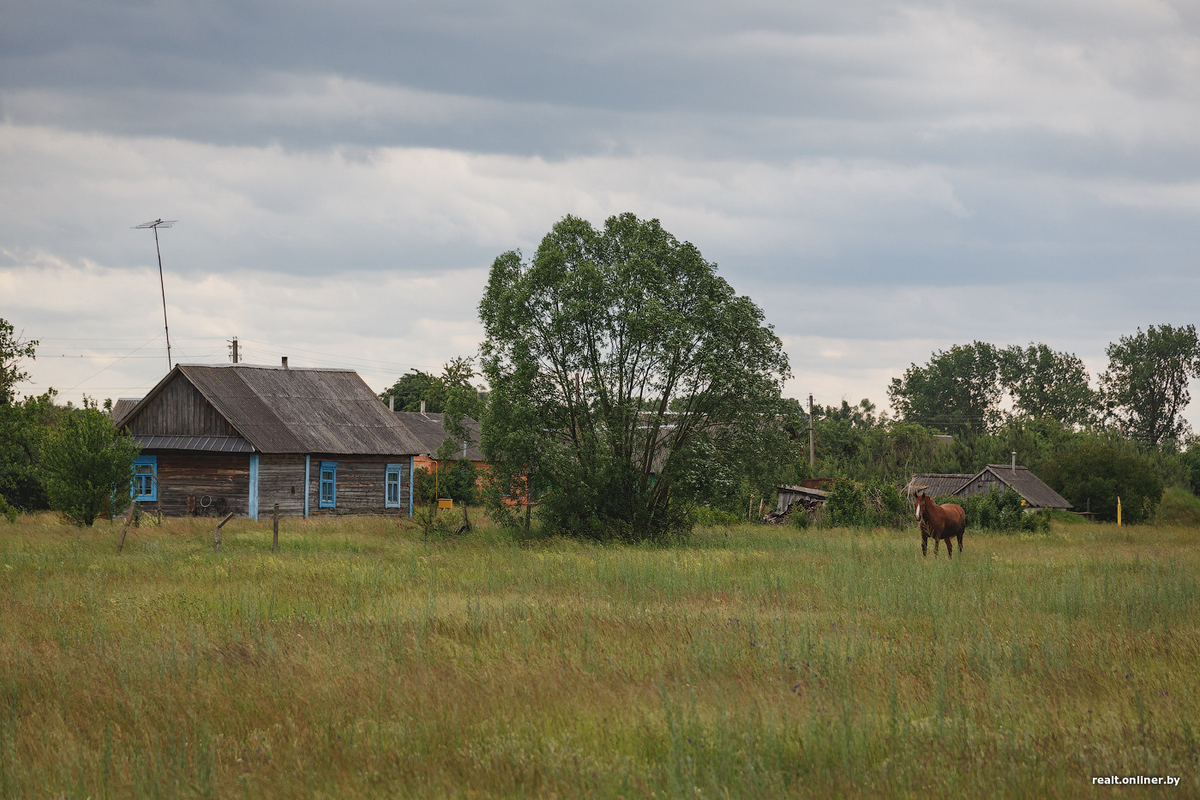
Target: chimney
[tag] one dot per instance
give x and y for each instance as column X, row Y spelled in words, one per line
column 392, row 403
column 1014, row 452
column 422, row 406
column 285, row 366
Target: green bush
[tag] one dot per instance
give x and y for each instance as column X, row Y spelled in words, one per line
column 1000, row 511
column 87, row 466
column 1178, row 507
column 709, row 517
column 866, row 505
column 7, row 511
column 456, row 481
column 1092, row 473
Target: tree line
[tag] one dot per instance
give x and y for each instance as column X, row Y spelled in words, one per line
column 631, row 391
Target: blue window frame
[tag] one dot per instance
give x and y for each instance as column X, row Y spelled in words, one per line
column 145, row 479
column 391, row 484
column 328, row 495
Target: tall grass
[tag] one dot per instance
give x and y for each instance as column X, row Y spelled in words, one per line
column 362, row 660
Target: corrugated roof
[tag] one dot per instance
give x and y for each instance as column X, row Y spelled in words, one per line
column 428, row 431
column 298, row 410
column 207, row 444
column 936, row 485
column 1026, row 484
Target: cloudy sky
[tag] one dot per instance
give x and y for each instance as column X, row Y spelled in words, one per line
column 882, row 178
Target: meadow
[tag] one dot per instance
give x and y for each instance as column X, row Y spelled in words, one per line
column 361, row 660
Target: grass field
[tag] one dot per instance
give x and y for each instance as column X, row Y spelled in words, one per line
column 751, row 662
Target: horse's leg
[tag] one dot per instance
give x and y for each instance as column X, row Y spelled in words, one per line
column 936, row 541
column 949, row 547
column 960, row 543
column 924, row 544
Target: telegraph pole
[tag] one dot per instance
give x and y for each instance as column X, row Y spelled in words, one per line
column 812, row 455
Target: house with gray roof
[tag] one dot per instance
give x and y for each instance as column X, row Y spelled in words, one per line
column 1030, row 487
column 1033, row 491
column 239, row 438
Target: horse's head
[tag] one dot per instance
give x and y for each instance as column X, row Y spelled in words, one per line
column 920, row 501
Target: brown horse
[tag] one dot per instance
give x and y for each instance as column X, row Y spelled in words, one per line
column 940, row 522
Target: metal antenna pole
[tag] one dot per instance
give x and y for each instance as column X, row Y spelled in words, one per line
column 156, row 224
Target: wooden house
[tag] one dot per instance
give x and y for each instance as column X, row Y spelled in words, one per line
column 1030, row 487
column 240, row 438
column 1033, row 491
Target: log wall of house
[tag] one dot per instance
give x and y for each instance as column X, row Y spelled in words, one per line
column 180, row 410
column 280, row 480
column 360, row 485
column 223, row 479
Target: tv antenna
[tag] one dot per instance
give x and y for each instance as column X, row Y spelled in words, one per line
column 156, row 224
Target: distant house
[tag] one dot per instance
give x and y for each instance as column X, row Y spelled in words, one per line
column 1033, row 491
column 1030, row 487
column 240, row 438
column 426, row 429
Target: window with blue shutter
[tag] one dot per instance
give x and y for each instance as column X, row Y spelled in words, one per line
column 391, row 485
column 145, row 479
column 328, row 495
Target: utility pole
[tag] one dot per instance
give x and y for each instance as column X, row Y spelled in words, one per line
column 233, row 349
column 812, row 455
column 156, row 224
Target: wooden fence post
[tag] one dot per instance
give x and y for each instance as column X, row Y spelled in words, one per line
column 125, row 530
column 275, row 529
column 217, row 534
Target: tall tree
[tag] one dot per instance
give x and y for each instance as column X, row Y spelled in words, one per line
column 958, row 391
column 619, row 361
column 1045, row 384
column 1146, row 385
column 88, row 465
column 13, row 348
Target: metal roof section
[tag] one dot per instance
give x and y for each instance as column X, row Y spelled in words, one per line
column 204, row 444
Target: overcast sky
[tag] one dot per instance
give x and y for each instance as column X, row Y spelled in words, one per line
column 884, row 179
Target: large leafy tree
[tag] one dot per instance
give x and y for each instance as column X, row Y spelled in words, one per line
column 958, row 391
column 1046, row 384
column 622, row 368
column 1146, row 385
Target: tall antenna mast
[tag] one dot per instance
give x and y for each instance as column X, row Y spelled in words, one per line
column 156, row 224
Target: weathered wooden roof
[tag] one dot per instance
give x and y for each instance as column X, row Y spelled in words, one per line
column 122, row 407
column 1036, row 493
column 427, row 429
column 280, row 410
column 936, row 485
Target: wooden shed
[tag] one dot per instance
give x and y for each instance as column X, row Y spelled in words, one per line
column 239, row 438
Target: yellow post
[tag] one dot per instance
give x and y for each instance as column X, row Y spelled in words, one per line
column 1118, row 511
